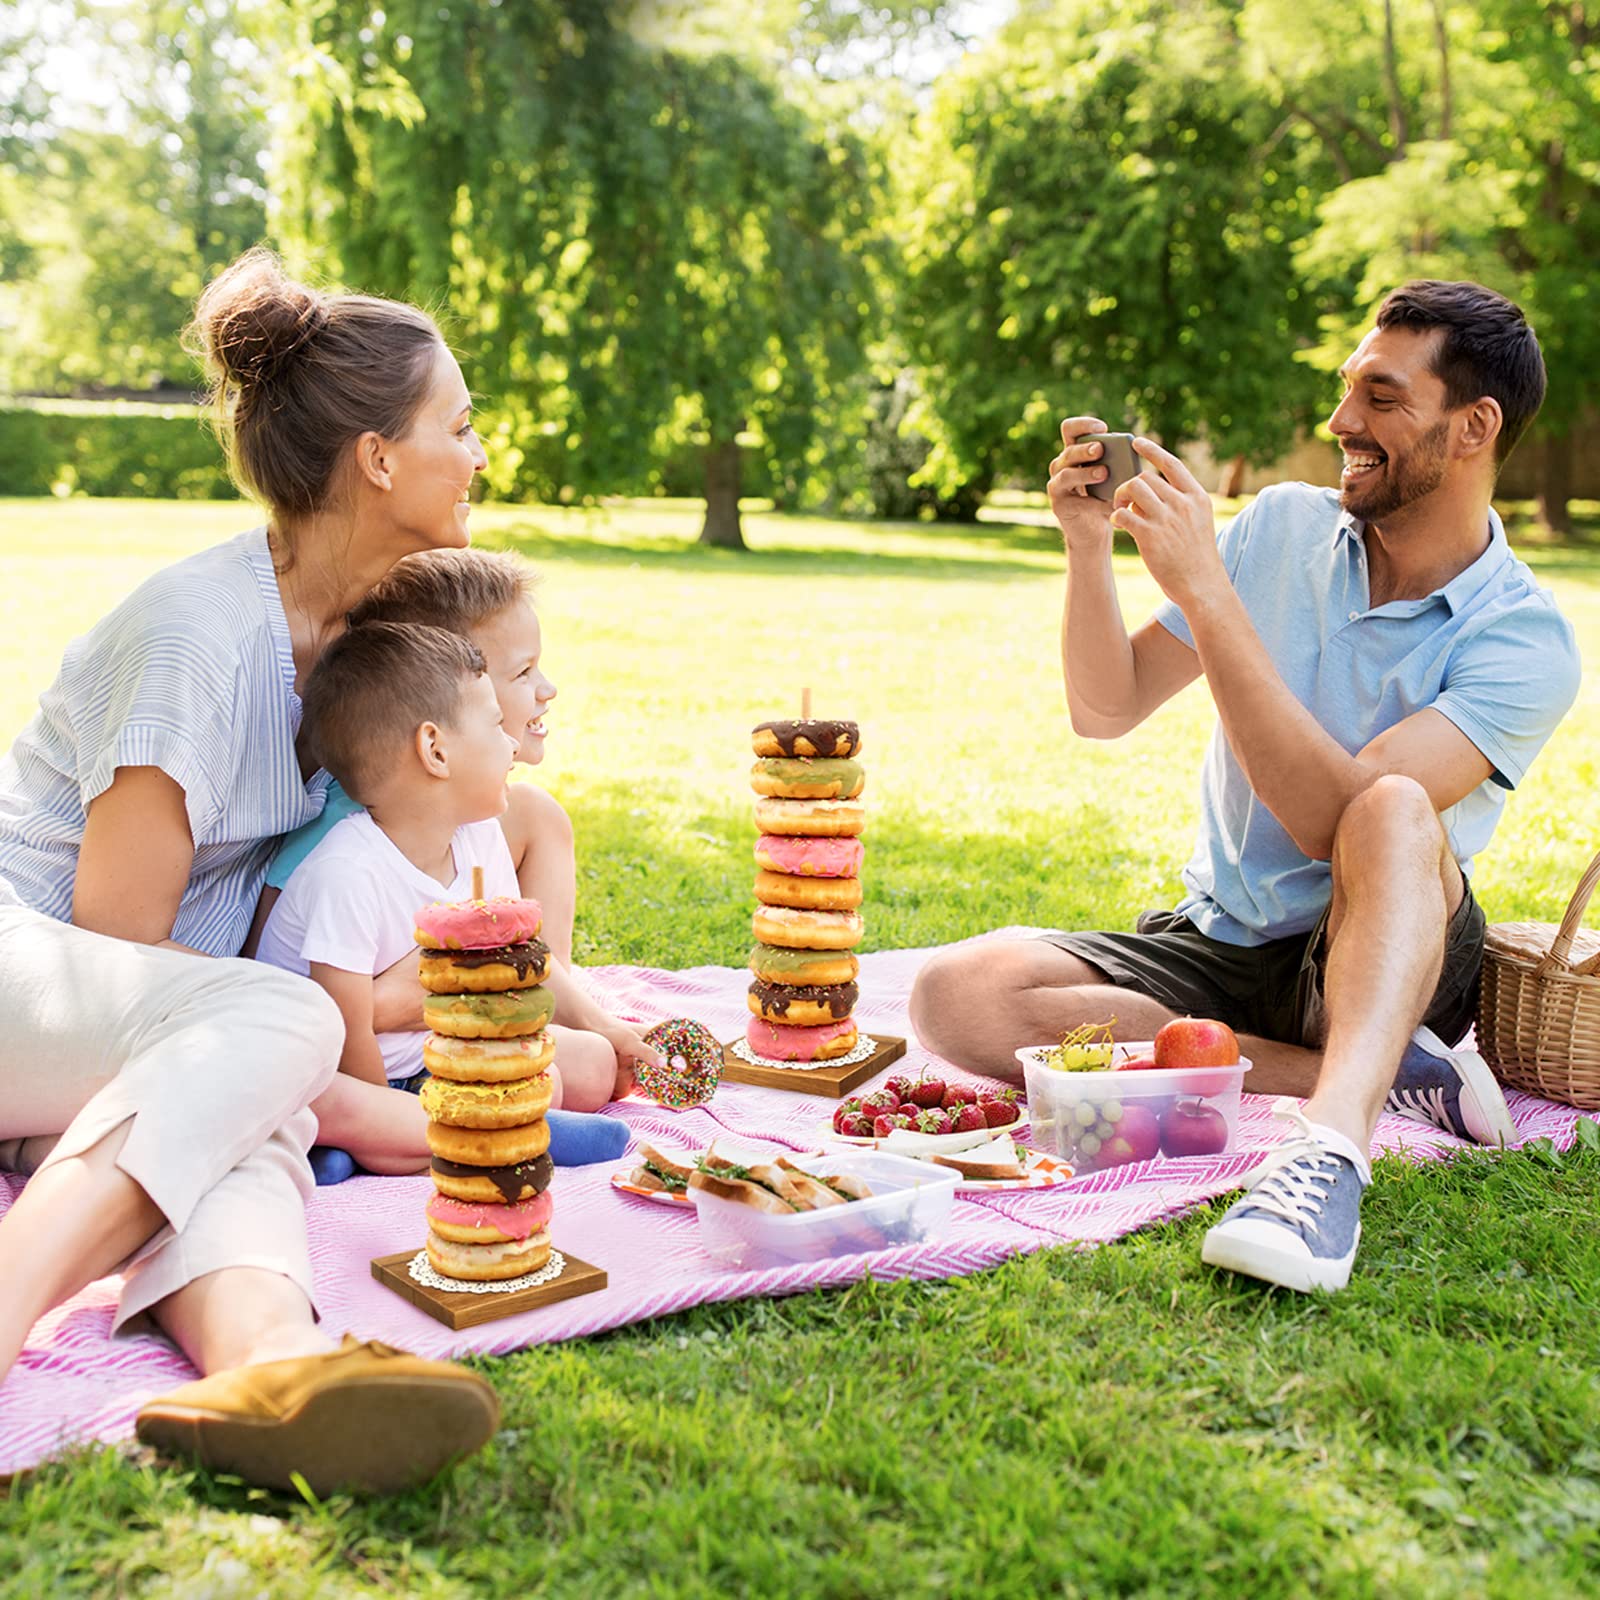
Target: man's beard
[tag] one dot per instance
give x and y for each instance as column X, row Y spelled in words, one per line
column 1401, row 480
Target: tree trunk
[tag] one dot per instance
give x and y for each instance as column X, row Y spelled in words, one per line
column 1232, row 484
column 1391, row 83
column 1555, row 485
column 724, row 470
column 1441, row 36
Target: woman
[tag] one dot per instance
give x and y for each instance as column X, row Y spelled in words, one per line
column 137, row 813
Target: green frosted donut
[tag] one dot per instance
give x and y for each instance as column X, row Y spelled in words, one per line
column 489, row 1016
column 806, row 778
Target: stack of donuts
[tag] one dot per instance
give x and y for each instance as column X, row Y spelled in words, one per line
column 484, row 966
column 807, row 921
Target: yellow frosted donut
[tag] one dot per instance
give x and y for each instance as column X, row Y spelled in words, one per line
column 487, row 1105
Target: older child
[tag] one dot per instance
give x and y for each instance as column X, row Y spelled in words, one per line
column 406, row 719
column 484, row 595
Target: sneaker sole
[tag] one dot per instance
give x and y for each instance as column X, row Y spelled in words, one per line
column 1483, row 1103
column 366, row 1435
column 1280, row 1267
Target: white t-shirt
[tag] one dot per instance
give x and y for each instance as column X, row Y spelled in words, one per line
column 352, row 904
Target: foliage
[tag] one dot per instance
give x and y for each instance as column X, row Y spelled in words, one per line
column 106, row 448
column 639, row 246
column 121, row 223
column 1100, row 220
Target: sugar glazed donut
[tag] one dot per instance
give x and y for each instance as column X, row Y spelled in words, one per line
column 808, row 894
column 690, row 1066
column 818, row 819
column 488, row 1060
column 808, row 930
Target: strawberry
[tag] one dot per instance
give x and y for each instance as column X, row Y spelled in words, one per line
column 929, row 1121
column 928, row 1092
column 943, row 1121
column 857, row 1125
column 879, row 1103
column 959, row 1094
column 883, row 1126
column 900, row 1087
column 997, row 1113
column 969, row 1119
column 845, row 1108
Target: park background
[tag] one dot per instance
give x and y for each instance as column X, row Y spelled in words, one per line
column 855, row 262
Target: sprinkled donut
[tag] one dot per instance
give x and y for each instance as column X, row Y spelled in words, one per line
column 478, row 924
column 691, row 1064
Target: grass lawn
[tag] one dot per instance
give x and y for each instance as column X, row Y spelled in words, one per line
column 1116, row 1421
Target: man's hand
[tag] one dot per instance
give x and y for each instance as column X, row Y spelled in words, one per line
column 1171, row 519
column 1085, row 521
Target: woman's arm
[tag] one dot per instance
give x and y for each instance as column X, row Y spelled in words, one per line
column 135, row 858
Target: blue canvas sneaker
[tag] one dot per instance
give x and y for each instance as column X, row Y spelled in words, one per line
column 1453, row 1090
column 1299, row 1225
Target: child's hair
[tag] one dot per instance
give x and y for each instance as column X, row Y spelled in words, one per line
column 373, row 687
column 454, row 589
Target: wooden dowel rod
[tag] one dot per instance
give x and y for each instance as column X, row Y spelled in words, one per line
column 805, row 704
column 477, row 883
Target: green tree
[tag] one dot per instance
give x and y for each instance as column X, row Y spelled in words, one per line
column 1099, row 217
column 120, row 219
column 639, row 246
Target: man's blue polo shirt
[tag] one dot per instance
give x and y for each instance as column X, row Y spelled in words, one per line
column 1489, row 651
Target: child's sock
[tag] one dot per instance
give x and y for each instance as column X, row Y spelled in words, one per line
column 329, row 1164
column 578, row 1138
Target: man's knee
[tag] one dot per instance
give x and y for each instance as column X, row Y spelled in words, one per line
column 1392, row 809
column 969, row 983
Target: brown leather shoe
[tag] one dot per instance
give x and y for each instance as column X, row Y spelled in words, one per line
column 364, row 1417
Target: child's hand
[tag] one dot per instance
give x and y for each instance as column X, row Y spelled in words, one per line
column 630, row 1048
column 397, row 996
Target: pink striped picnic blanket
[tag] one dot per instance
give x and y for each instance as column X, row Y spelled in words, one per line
column 75, row 1384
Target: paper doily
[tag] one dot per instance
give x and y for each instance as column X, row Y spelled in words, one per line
column 422, row 1271
column 864, row 1047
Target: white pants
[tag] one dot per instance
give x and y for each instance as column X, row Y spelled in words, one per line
column 214, row 1063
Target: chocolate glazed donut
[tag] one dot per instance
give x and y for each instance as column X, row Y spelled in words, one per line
column 803, row 1004
column 808, row 737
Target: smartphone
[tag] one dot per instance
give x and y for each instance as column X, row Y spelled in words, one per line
column 1118, row 456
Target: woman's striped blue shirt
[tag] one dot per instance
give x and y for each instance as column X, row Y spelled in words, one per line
column 193, row 673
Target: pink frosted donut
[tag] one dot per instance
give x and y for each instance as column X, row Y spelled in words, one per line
column 781, row 1041
column 803, row 857
column 515, row 1221
column 478, row 924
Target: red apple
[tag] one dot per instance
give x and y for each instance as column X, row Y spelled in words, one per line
column 1138, row 1064
column 1196, row 1042
column 1137, row 1137
column 1192, row 1128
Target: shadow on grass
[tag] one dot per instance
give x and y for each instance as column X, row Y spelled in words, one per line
column 670, row 884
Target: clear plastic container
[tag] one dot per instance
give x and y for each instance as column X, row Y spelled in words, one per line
column 1095, row 1120
column 910, row 1201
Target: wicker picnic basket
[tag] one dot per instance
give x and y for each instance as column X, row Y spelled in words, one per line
column 1539, row 1007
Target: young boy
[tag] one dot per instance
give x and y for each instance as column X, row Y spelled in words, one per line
column 406, row 719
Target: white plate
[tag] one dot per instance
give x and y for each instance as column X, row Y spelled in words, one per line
column 903, row 1142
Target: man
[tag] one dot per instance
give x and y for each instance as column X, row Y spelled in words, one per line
column 1384, row 670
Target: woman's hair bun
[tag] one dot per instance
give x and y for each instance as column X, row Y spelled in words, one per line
column 252, row 320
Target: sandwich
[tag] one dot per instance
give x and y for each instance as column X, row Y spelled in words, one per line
column 988, row 1163
column 779, row 1188
column 659, row 1173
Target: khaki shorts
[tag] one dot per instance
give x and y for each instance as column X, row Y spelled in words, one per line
column 1272, row 990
